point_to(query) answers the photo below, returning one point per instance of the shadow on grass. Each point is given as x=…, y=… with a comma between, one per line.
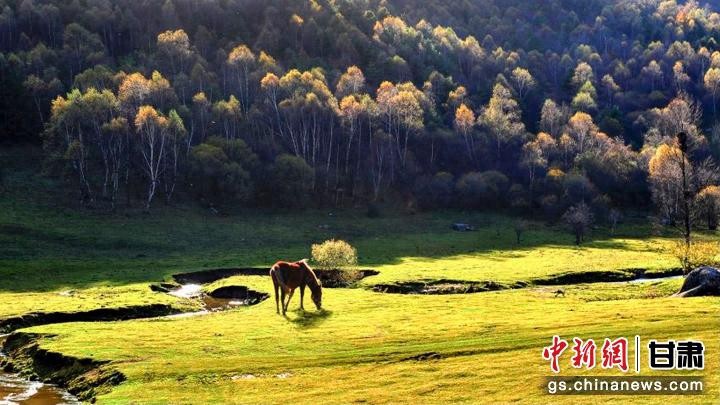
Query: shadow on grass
x=44, y=247
x=118, y=260
x=305, y=319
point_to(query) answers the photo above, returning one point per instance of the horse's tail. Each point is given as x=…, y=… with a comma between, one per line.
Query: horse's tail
x=274, y=273
x=276, y=276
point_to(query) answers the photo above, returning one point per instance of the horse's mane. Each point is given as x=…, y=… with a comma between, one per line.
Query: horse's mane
x=315, y=285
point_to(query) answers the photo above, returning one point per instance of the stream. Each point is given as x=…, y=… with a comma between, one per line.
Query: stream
x=649, y=280
x=643, y=280
x=17, y=390
x=210, y=304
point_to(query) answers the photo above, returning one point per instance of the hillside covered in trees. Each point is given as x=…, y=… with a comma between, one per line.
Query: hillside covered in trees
x=474, y=104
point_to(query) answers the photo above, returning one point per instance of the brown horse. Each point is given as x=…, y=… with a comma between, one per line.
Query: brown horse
x=287, y=277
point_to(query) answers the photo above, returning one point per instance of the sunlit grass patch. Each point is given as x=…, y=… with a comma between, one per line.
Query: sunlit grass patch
x=485, y=346
x=489, y=345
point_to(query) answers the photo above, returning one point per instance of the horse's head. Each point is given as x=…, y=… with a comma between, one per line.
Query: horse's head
x=314, y=284
x=317, y=296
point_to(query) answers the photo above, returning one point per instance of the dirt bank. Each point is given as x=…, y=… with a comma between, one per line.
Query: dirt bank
x=239, y=292
x=329, y=278
x=101, y=314
x=443, y=286
x=604, y=276
x=440, y=287
x=83, y=377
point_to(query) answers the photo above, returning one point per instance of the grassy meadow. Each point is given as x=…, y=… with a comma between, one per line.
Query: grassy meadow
x=360, y=348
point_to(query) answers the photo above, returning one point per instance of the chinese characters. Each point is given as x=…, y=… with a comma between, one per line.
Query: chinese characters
x=668, y=355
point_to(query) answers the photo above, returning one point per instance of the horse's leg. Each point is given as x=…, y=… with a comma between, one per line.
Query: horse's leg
x=282, y=299
x=290, y=295
x=277, y=293
x=302, y=296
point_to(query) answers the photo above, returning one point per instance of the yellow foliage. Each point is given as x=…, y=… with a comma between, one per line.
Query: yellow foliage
x=350, y=108
x=555, y=173
x=148, y=118
x=270, y=81
x=664, y=155
x=296, y=20
x=177, y=41
x=334, y=254
x=464, y=119
x=699, y=253
x=241, y=55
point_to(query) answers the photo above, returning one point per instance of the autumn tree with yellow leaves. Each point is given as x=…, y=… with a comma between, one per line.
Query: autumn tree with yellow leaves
x=676, y=183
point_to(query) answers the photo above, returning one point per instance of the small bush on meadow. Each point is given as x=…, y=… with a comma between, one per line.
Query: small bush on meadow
x=334, y=254
x=699, y=253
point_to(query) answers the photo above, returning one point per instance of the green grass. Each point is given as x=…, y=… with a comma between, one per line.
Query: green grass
x=110, y=260
x=491, y=344
x=54, y=258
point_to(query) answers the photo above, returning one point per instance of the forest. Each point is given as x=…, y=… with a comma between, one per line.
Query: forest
x=482, y=104
x=359, y=201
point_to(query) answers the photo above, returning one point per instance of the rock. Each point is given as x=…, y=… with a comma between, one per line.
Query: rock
x=239, y=292
x=703, y=281
x=158, y=288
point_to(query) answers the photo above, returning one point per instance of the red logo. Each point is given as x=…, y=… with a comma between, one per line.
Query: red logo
x=614, y=353
x=584, y=353
x=554, y=351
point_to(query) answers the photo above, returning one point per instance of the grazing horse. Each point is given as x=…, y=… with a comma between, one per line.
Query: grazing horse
x=288, y=276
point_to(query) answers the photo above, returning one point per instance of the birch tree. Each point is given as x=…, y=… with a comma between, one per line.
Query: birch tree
x=151, y=128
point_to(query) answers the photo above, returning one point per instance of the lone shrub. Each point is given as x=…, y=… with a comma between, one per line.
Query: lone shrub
x=334, y=254
x=699, y=253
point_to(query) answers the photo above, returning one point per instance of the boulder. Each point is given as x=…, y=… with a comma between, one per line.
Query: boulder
x=703, y=281
x=239, y=292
